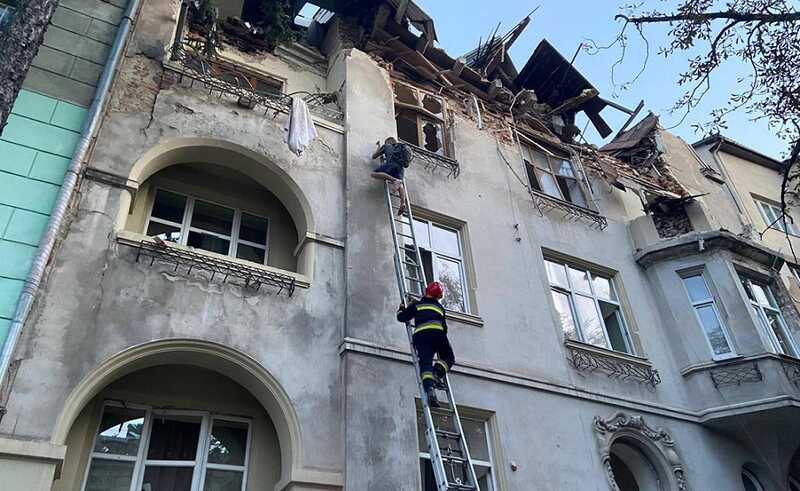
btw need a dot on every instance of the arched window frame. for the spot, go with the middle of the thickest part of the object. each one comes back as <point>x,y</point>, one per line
<point>655,443</point>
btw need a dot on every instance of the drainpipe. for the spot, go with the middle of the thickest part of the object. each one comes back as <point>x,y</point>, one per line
<point>68,188</point>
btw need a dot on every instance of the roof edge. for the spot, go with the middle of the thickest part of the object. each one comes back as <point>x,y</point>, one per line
<point>735,148</point>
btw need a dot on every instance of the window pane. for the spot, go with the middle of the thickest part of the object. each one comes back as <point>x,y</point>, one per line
<point>217,480</point>
<point>213,218</point>
<point>697,289</point>
<point>484,475</point>
<point>406,94</point>
<point>432,104</point>
<point>445,241</point>
<point>477,440</point>
<point>563,168</point>
<point>228,443</point>
<point>713,330</point>
<point>174,438</point>
<point>167,478</point>
<point>612,318</point>
<point>428,478</point>
<point>209,242</point>
<point>169,206</point>
<point>579,279</point>
<point>534,183</point>
<point>432,132</point>
<point>556,274</point>
<point>561,302</point>
<point>603,287</point>
<point>781,335</point>
<point>164,232</point>
<point>591,327</point>
<point>548,184</point>
<point>420,233</point>
<point>760,294</point>
<point>120,431</point>
<point>413,272</point>
<point>571,191</point>
<point>253,229</point>
<point>407,130</point>
<point>449,274</point>
<point>109,475</point>
<point>250,253</point>
<point>540,160</point>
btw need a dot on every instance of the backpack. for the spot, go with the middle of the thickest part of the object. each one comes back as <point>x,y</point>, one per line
<point>401,154</point>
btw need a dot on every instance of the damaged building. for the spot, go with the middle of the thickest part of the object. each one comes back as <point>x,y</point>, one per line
<point>210,308</point>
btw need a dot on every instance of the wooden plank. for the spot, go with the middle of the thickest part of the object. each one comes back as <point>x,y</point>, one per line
<point>401,11</point>
<point>422,43</point>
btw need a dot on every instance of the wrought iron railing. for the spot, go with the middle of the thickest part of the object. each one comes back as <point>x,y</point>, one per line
<point>192,59</point>
<point>544,202</point>
<point>736,374</point>
<point>618,367</point>
<point>432,160</point>
<point>217,269</point>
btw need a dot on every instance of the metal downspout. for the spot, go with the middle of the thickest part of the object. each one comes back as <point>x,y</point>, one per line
<point>48,240</point>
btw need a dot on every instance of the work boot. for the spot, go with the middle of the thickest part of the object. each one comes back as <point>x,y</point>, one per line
<point>432,400</point>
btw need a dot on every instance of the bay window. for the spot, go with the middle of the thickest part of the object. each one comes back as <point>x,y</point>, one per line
<point>156,450</point>
<point>708,317</point>
<point>588,306</point>
<point>768,315</point>
<point>194,222</point>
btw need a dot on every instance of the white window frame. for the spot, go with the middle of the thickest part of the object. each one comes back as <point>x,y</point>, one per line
<point>760,310</point>
<point>199,465</point>
<point>440,256</point>
<point>477,463</point>
<point>570,292</point>
<point>185,226</point>
<point>710,301</point>
<point>766,209</point>
<point>6,13</point>
<point>529,147</point>
<point>423,115</point>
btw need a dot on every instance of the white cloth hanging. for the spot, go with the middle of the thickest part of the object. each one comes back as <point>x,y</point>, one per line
<point>299,131</point>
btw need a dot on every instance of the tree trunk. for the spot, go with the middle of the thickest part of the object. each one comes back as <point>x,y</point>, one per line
<point>19,44</point>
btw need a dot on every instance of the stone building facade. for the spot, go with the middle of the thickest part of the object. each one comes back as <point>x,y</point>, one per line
<point>252,345</point>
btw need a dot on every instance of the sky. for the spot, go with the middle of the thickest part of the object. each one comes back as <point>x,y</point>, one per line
<point>566,24</point>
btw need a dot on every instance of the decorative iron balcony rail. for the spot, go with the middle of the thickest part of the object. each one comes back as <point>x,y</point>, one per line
<point>544,202</point>
<point>619,367</point>
<point>432,160</point>
<point>191,59</point>
<point>218,269</point>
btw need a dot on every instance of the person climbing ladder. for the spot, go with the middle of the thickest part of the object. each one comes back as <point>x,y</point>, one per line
<point>430,338</point>
<point>396,157</point>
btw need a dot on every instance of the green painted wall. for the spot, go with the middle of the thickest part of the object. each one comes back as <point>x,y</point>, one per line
<point>35,150</point>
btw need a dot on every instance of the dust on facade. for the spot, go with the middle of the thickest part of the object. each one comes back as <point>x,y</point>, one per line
<point>217,312</point>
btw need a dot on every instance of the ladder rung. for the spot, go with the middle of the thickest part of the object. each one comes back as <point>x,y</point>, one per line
<point>405,235</point>
<point>457,460</point>
<point>415,279</point>
<point>448,434</point>
<point>459,487</point>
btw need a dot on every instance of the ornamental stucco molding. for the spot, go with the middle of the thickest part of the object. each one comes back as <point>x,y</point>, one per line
<point>658,442</point>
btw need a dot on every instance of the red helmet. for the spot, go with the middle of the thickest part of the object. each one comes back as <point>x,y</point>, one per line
<point>434,290</point>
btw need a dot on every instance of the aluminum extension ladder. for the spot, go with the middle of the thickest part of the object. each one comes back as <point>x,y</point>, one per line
<point>452,465</point>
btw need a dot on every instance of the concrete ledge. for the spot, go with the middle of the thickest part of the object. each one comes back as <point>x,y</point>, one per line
<point>698,242</point>
<point>32,450</point>
<point>308,480</point>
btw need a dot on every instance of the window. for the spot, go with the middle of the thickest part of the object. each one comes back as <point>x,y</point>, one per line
<point>750,481</point>
<point>142,449</point>
<point>476,432</point>
<point>420,118</point>
<point>553,176</point>
<point>191,221</point>
<point>708,316</point>
<point>442,260</point>
<point>7,10</point>
<point>588,306</point>
<point>773,218</point>
<point>769,315</point>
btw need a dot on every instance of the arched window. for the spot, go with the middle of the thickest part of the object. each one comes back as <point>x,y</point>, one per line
<point>216,209</point>
<point>632,469</point>
<point>750,481</point>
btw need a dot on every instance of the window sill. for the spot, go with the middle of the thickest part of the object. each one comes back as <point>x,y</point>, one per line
<point>544,202</point>
<point>589,358</point>
<point>464,318</point>
<point>134,239</point>
<point>431,160</point>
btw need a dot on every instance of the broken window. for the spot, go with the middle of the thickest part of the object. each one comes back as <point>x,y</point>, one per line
<point>588,306</point>
<point>420,118</point>
<point>476,433</point>
<point>553,176</point>
<point>443,261</point>
<point>193,222</point>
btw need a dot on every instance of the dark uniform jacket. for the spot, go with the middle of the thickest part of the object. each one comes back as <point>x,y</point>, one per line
<point>428,314</point>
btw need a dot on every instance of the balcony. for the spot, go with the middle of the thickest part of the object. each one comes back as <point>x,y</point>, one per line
<point>730,391</point>
<point>433,161</point>
<point>621,366</point>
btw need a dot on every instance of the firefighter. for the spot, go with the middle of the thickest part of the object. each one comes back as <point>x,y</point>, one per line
<point>430,338</point>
